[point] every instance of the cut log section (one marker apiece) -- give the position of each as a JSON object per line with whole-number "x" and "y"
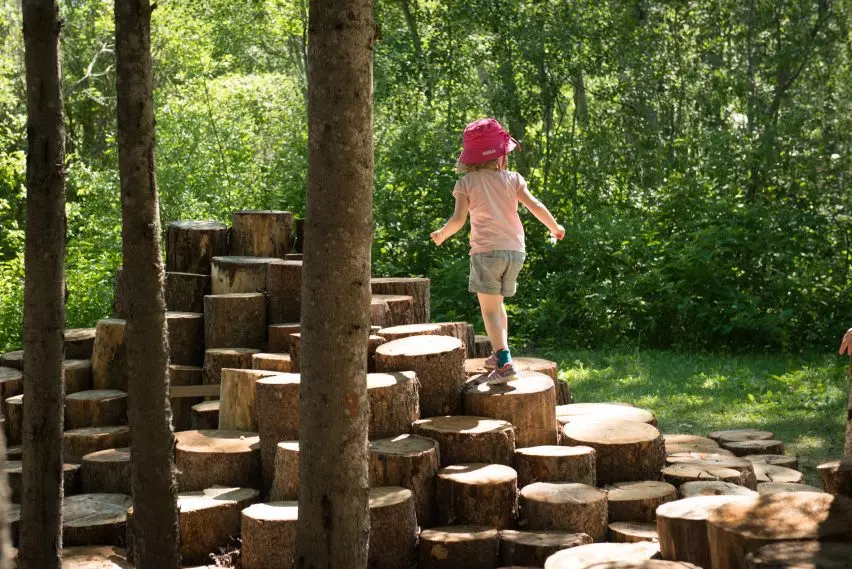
{"x": 393, "y": 529}
{"x": 602, "y": 412}
{"x": 186, "y": 338}
{"x": 235, "y": 321}
{"x": 268, "y": 535}
{"x": 638, "y": 501}
{"x": 373, "y": 343}
{"x": 772, "y": 473}
{"x": 408, "y": 461}
{"x": 97, "y": 408}
{"x": 217, "y": 458}
{"x": 279, "y": 336}
{"x": 400, "y": 311}
{"x": 476, "y": 366}
{"x": 77, "y": 375}
{"x": 407, "y": 330}
{"x": 185, "y": 292}
{"x": 678, "y": 474}
{"x": 745, "y": 467}
{"x": 526, "y": 402}
{"x": 416, "y": 288}
{"x": 565, "y": 506}
{"x": 438, "y": 362}
{"x": 784, "y": 460}
{"x": 294, "y": 256}
{"x": 801, "y": 555}
{"x": 233, "y": 275}
{"x": 379, "y": 314}
{"x": 285, "y": 291}
{"x": 11, "y": 382}
{"x": 609, "y": 556}
{"x": 677, "y": 443}
{"x": 76, "y": 443}
{"x": 462, "y": 331}
{"x": 106, "y": 471}
{"x": 551, "y": 463}
{"x": 190, "y": 245}
{"x": 626, "y": 450}
{"x": 94, "y": 519}
{"x": 477, "y": 494}
{"x": 205, "y": 416}
{"x": 14, "y": 472}
{"x": 14, "y": 452}
{"x": 13, "y": 418}
{"x": 765, "y": 446}
{"x": 285, "y": 484}
{"x": 13, "y": 360}
{"x": 181, "y": 375}
{"x": 633, "y": 532}
{"x": 482, "y": 346}
{"x": 532, "y": 548}
{"x": 836, "y": 476}
{"x": 296, "y": 351}
{"x": 463, "y": 439}
{"x": 95, "y": 557}
{"x": 393, "y": 399}
{"x": 277, "y": 407}
{"x": 79, "y": 343}
{"x": 109, "y": 368}
{"x": 259, "y": 233}
{"x": 215, "y": 360}
{"x": 739, "y": 435}
{"x": 450, "y": 547}
{"x": 272, "y": 362}
{"x": 237, "y": 399}
{"x": 713, "y": 488}
{"x": 778, "y": 487}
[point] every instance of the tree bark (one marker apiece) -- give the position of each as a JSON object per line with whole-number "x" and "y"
{"x": 333, "y": 527}
{"x": 44, "y": 293}
{"x": 152, "y": 468}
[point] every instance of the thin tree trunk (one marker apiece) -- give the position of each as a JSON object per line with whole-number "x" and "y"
{"x": 156, "y": 538}
{"x": 44, "y": 308}
{"x": 411, "y": 22}
{"x": 333, "y": 524}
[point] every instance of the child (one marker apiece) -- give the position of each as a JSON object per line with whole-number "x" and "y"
{"x": 491, "y": 194}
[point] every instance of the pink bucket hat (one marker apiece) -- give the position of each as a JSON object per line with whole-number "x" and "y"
{"x": 485, "y": 140}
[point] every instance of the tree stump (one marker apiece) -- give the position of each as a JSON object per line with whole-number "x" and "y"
{"x": 379, "y": 313}
{"x": 450, "y": 547}
{"x": 602, "y": 412}
{"x": 400, "y": 310}
{"x": 186, "y": 338}
{"x": 745, "y": 467}
{"x": 285, "y": 484}
{"x": 94, "y": 519}
{"x": 190, "y": 245}
{"x": 739, "y": 435}
{"x": 477, "y": 494}
{"x": 285, "y": 291}
{"x": 268, "y": 535}
{"x": 772, "y": 473}
{"x": 626, "y": 450}
{"x": 79, "y": 343}
{"x": 676, "y": 443}
{"x": 181, "y": 375}
{"x": 482, "y": 346}
{"x": 465, "y": 439}
{"x": 205, "y": 416}
{"x": 294, "y": 257}
{"x": 237, "y": 399}
{"x": 766, "y": 446}
{"x": 97, "y": 408}
{"x": 77, "y": 375}
{"x": 408, "y": 461}
{"x": 13, "y": 418}
{"x": 393, "y": 399}
{"x": 277, "y": 407}
{"x": 11, "y": 383}
{"x": 462, "y": 331}
{"x": 373, "y": 343}
{"x": 272, "y": 362}
{"x": 399, "y": 332}
{"x": 15, "y": 452}
{"x": 550, "y": 463}
{"x": 14, "y": 472}
{"x": 279, "y": 336}
{"x": 95, "y": 557}
{"x": 416, "y": 288}
{"x": 13, "y": 360}
{"x": 532, "y": 548}
{"x": 438, "y": 362}
{"x": 205, "y": 459}
{"x": 778, "y": 487}
{"x": 800, "y": 555}
{"x": 678, "y": 474}
{"x": 393, "y": 529}
{"x": 476, "y": 366}
{"x": 736, "y": 529}
{"x": 713, "y": 488}
{"x": 106, "y": 471}
{"x": 609, "y": 556}
{"x": 565, "y": 506}
{"x": 234, "y": 275}
{"x": 215, "y": 360}
{"x": 526, "y": 402}
{"x": 185, "y": 292}
{"x": 109, "y": 368}
{"x": 235, "y": 321}
{"x": 77, "y": 443}
{"x": 836, "y": 476}
{"x": 261, "y": 233}
{"x": 776, "y": 459}
{"x": 633, "y": 532}
{"x": 296, "y": 351}
{"x": 638, "y": 501}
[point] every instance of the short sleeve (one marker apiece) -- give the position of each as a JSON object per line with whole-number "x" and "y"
{"x": 461, "y": 188}
{"x": 521, "y": 184}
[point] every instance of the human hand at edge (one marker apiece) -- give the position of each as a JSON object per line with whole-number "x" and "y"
{"x": 437, "y": 237}
{"x": 846, "y": 344}
{"x": 559, "y": 233}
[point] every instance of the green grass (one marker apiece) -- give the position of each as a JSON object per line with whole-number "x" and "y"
{"x": 802, "y": 399}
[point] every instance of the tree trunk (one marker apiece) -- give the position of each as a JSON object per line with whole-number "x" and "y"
{"x": 44, "y": 309}
{"x": 333, "y": 528}
{"x": 154, "y": 489}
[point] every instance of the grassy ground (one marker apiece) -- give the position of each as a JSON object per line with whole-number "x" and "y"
{"x": 800, "y": 399}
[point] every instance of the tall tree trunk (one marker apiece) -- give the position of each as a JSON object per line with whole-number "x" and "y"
{"x": 156, "y": 538}
{"x": 333, "y": 522}
{"x": 422, "y": 66}
{"x": 44, "y": 308}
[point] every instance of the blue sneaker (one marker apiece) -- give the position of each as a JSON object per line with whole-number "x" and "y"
{"x": 502, "y": 375}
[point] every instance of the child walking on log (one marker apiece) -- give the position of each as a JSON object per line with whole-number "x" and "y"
{"x": 490, "y": 193}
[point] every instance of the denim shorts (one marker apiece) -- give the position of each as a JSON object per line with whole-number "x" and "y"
{"x": 496, "y": 272}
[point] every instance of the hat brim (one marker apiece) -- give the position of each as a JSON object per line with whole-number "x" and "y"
{"x": 473, "y": 157}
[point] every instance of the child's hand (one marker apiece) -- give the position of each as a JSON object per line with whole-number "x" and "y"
{"x": 559, "y": 233}
{"x": 437, "y": 237}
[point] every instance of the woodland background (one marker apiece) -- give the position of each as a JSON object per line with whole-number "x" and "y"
{"x": 697, "y": 152}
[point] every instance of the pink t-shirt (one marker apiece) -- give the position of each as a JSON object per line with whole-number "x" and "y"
{"x": 493, "y": 198}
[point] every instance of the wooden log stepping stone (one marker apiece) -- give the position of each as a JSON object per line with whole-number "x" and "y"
{"x": 766, "y": 446}
{"x": 682, "y": 527}
{"x": 626, "y": 450}
{"x": 95, "y": 557}
{"x": 736, "y": 529}
{"x": 285, "y": 483}
{"x": 268, "y": 535}
{"x": 836, "y": 476}
{"x": 772, "y": 473}
{"x": 526, "y": 402}
{"x": 745, "y": 467}
{"x": 462, "y": 331}
{"x": 217, "y": 458}
{"x": 393, "y": 529}
{"x": 633, "y": 532}
{"x": 801, "y": 555}
{"x": 532, "y": 548}
{"x": 79, "y": 343}
{"x": 186, "y": 338}
{"x": 438, "y": 362}
{"x": 678, "y": 474}
{"x": 11, "y": 382}
{"x": 205, "y": 416}
{"x": 179, "y": 376}
{"x": 294, "y": 256}
{"x": 417, "y": 288}
{"x": 109, "y": 368}
{"x": 394, "y": 403}
{"x": 379, "y": 314}
{"x": 407, "y": 330}
{"x": 277, "y": 407}
{"x": 13, "y": 418}
{"x": 190, "y": 245}
{"x": 237, "y": 398}
{"x": 477, "y": 494}
{"x": 400, "y": 310}
{"x": 217, "y": 359}
{"x": 784, "y": 460}
{"x": 234, "y": 274}
{"x": 677, "y": 443}
{"x": 778, "y": 487}
{"x": 284, "y": 289}
{"x": 15, "y": 452}
{"x": 713, "y": 488}
{"x": 279, "y": 336}
{"x": 602, "y": 412}
{"x": 106, "y": 471}
{"x": 637, "y": 501}
{"x": 272, "y": 362}
{"x": 739, "y": 435}
{"x": 463, "y": 438}
{"x": 77, "y": 375}
{"x": 476, "y": 366}
{"x": 185, "y": 292}
{"x": 450, "y": 547}
{"x": 481, "y": 346}
{"x": 607, "y": 556}
{"x": 235, "y": 320}
{"x": 409, "y": 461}
{"x": 14, "y": 359}
{"x": 96, "y": 408}
{"x": 373, "y": 343}
{"x": 94, "y": 519}
{"x": 261, "y": 233}
{"x": 14, "y": 472}
{"x": 649, "y": 564}
{"x": 565, "y": 506}
{"x": 551, "y": 463}
{"x": 76, "y": 443}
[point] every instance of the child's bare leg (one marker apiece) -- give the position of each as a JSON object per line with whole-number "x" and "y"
{"x": 495, "y": 319}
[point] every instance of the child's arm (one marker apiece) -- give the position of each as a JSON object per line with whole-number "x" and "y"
{"x": 541, "y": 213}
{"x": 455, "y": 223}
